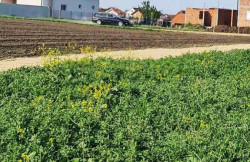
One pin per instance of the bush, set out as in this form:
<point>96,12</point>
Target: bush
<point>193,26</point>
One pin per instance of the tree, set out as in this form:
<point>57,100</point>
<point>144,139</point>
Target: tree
<point>150,13</point>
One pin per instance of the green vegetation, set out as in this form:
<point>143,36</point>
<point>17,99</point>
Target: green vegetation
<point>150,13</point>
<point>189,108</point>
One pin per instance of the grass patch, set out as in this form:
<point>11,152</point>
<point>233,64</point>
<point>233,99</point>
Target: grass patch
<point>189,108</point>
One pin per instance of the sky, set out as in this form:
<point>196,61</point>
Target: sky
<point>170,6</point>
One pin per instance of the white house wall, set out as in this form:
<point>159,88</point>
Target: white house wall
<point>29,2</point>
<point>73,5</point>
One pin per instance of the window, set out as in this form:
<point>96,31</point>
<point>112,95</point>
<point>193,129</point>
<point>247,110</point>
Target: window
<point>80,6</point>
<point>63,7</point>
<point>93,7</point>
<point>111,16</point>
<point>201,15</point>
<point>248,15</point>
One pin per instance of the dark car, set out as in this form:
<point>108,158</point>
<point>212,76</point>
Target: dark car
<point>111,19</point>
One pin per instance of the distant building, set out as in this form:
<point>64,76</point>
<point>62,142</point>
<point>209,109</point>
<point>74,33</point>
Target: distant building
<point>244,13</point>
<point>116,12</point>
<point>165,20</point>
<point>130,12</point>
<point>102,9</point>
<point>211,17</point>
<point>178,19</point>
<point>87,6</point>
<point>137,15</point>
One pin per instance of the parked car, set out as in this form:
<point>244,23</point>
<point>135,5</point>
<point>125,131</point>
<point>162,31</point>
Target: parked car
<point>111,19</point>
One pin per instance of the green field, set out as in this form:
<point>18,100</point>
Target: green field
<point>190,108</point>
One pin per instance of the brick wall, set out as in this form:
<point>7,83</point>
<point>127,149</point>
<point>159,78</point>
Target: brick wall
<point>179,18</point>
<point>213,17</point>
<point>244,6</point>
<point>195,16</point>
<point>227,17</point>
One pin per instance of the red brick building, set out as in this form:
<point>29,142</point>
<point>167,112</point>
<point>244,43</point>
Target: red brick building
<point>178,19</point>
<point>211,17</point>
<point>244,13</point>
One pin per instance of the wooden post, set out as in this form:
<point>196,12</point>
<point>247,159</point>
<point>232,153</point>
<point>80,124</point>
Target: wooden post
<point>232,18</point>
<point>59,16</point>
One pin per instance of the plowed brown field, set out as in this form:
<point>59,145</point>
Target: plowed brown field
<point>21,37</point>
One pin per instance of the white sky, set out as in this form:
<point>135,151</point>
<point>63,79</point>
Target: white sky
<point>170,6</point>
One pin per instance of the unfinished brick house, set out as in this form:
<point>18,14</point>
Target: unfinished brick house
<point>211,17</point>
<point>178,19</point>
<point>244,13</point>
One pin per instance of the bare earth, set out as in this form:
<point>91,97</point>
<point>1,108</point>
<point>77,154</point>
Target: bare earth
<point>135,54</point>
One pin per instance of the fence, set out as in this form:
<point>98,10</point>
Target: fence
<point>61,14</point>
<point>24,10</point>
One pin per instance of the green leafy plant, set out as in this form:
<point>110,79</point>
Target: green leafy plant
<point>190,108</point>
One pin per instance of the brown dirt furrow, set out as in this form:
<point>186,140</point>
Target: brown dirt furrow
<point>20,38</point>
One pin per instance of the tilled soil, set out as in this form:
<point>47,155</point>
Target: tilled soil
<point>22,37</point>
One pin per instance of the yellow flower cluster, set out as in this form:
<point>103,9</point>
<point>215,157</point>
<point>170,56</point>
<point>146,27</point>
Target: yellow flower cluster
<point>51,140</point>
<point>21,131</point>
<point>25,157</point>
<point>95,96</point>
<point>203,125</point>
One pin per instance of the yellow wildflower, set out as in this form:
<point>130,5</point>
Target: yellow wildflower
<point>63,110</point>
<point>177,76</point>
<point>19,160</point>
<point>51,140</point>
<point>23,155</point>
<point>97,94</point>
<point>84,110</point>
<point>90,109</point>
<point>39,98</point>
<point>203,125</point>
<point>50,101</point>
<point>84,103</point>
<point>19,130</point>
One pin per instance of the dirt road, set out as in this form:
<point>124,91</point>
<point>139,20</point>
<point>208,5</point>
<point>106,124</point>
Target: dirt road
<point>157,53</point>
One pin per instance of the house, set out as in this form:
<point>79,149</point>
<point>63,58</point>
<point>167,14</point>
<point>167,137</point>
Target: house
<point>137,15</point>
<point>116,12</point>
<point>102,9</point>
<point>87,6</point>
<point>68,9</point>
<point>179,19</point>
<point>211,17</point>
<point>129,13</point>
<point>24,2</point>
<point>165,20</point>
<point>243,13</point>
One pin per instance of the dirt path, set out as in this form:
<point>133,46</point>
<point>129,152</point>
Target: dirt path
<point>136,54</point>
